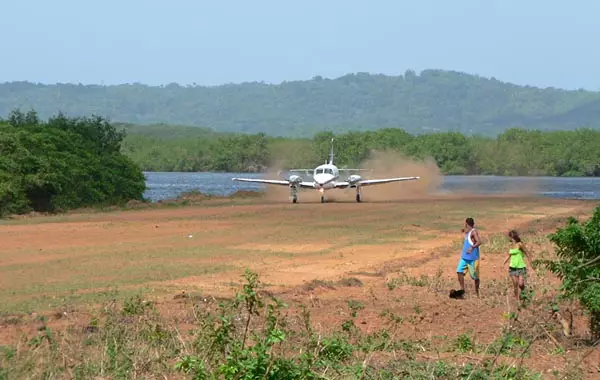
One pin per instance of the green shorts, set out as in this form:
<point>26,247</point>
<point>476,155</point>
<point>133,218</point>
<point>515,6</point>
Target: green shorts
<point>471,266</point>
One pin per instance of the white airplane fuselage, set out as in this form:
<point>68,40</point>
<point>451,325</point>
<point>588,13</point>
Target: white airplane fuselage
<point>324,176</point>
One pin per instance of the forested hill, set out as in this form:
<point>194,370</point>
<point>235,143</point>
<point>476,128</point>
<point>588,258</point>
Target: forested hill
<point>432,100</point>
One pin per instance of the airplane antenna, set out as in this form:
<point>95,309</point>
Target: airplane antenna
<point>331,154</point>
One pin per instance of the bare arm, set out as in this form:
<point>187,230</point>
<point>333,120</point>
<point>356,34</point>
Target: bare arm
<point>476,240</point>
<point>526,255</point>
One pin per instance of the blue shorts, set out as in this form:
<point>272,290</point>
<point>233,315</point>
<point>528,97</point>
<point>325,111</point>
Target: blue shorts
<point>471,265</point>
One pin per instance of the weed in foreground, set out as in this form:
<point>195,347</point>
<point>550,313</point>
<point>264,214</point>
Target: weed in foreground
<point>434,283</point>
<point>247,337</point>
<point>118,343</point>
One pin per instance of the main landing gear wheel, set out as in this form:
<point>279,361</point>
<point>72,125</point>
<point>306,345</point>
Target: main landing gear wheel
<point>358,198</point>
<point>294,194</point>
<point>322,199</point>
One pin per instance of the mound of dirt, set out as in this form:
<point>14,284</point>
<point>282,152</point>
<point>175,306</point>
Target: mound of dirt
<point>246,194</point>
<point>196,196</point>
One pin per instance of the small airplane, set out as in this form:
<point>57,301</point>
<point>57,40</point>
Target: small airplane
<point>325,177</point>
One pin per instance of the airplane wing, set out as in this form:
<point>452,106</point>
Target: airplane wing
<point>267,181</point>
<point>370,182</point>
<point>342,185</point>
<point>274,182</point>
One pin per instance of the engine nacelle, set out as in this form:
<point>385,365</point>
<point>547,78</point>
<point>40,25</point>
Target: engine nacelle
<point>295,179</point>
<point>354,179</point>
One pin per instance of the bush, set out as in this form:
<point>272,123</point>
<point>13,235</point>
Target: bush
<point>578,265</point>
<point>63,164</point>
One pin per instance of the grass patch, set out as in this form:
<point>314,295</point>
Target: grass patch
<point>433,282</point>
<point>78,280</point>
<point>345,282</point>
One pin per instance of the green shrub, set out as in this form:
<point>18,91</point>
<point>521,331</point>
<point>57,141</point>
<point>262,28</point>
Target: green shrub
<point>62,164</point>
<point>578,265</point>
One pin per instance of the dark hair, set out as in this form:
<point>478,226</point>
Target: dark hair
<point>514,235</point>
<point>470,222</point>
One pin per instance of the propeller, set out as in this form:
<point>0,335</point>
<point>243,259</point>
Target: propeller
<point>354,178</point>
<point>295,179</point>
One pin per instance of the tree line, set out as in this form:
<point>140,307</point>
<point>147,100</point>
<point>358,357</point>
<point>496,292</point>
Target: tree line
<point>515,152</point>
<point>63,163</point>
<point>432,100</point>
<point>71,162</point>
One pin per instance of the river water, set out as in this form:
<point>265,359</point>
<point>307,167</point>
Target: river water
<point>161,186</point>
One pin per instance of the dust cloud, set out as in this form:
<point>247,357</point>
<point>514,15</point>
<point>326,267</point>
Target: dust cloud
<point>387,164</point>
<point>382,164</point>
<point>390,164</point>
<point>274,193</point>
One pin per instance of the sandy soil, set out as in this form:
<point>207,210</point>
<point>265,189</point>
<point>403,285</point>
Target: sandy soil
<point>46,263</point>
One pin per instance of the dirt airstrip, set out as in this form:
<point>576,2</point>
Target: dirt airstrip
<point>301,253</point>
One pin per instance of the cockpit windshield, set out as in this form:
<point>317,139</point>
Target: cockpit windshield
<point>324,170</point>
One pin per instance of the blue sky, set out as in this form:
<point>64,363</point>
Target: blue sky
<point>535,42</point>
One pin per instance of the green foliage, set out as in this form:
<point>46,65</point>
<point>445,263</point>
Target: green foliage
<point>221,153</point>
<point>578,264</point>
<point>354,307</point>
<point>63,163</point>
<point>464,343</point>
<point>135,306</point>
<point>428,101</point>
<point>228,347</point>
<point>515,152</point>
<point>509,341</point>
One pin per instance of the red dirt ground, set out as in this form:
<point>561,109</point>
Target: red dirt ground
<point>205,249</point>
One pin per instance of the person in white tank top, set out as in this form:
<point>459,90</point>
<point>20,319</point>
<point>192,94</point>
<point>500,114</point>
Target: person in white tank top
<point>469,257</point>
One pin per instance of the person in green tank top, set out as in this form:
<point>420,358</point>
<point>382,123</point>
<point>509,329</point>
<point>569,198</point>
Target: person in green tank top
<point>517,268</point>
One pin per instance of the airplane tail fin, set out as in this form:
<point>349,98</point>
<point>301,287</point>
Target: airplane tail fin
<point>331,153</point>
